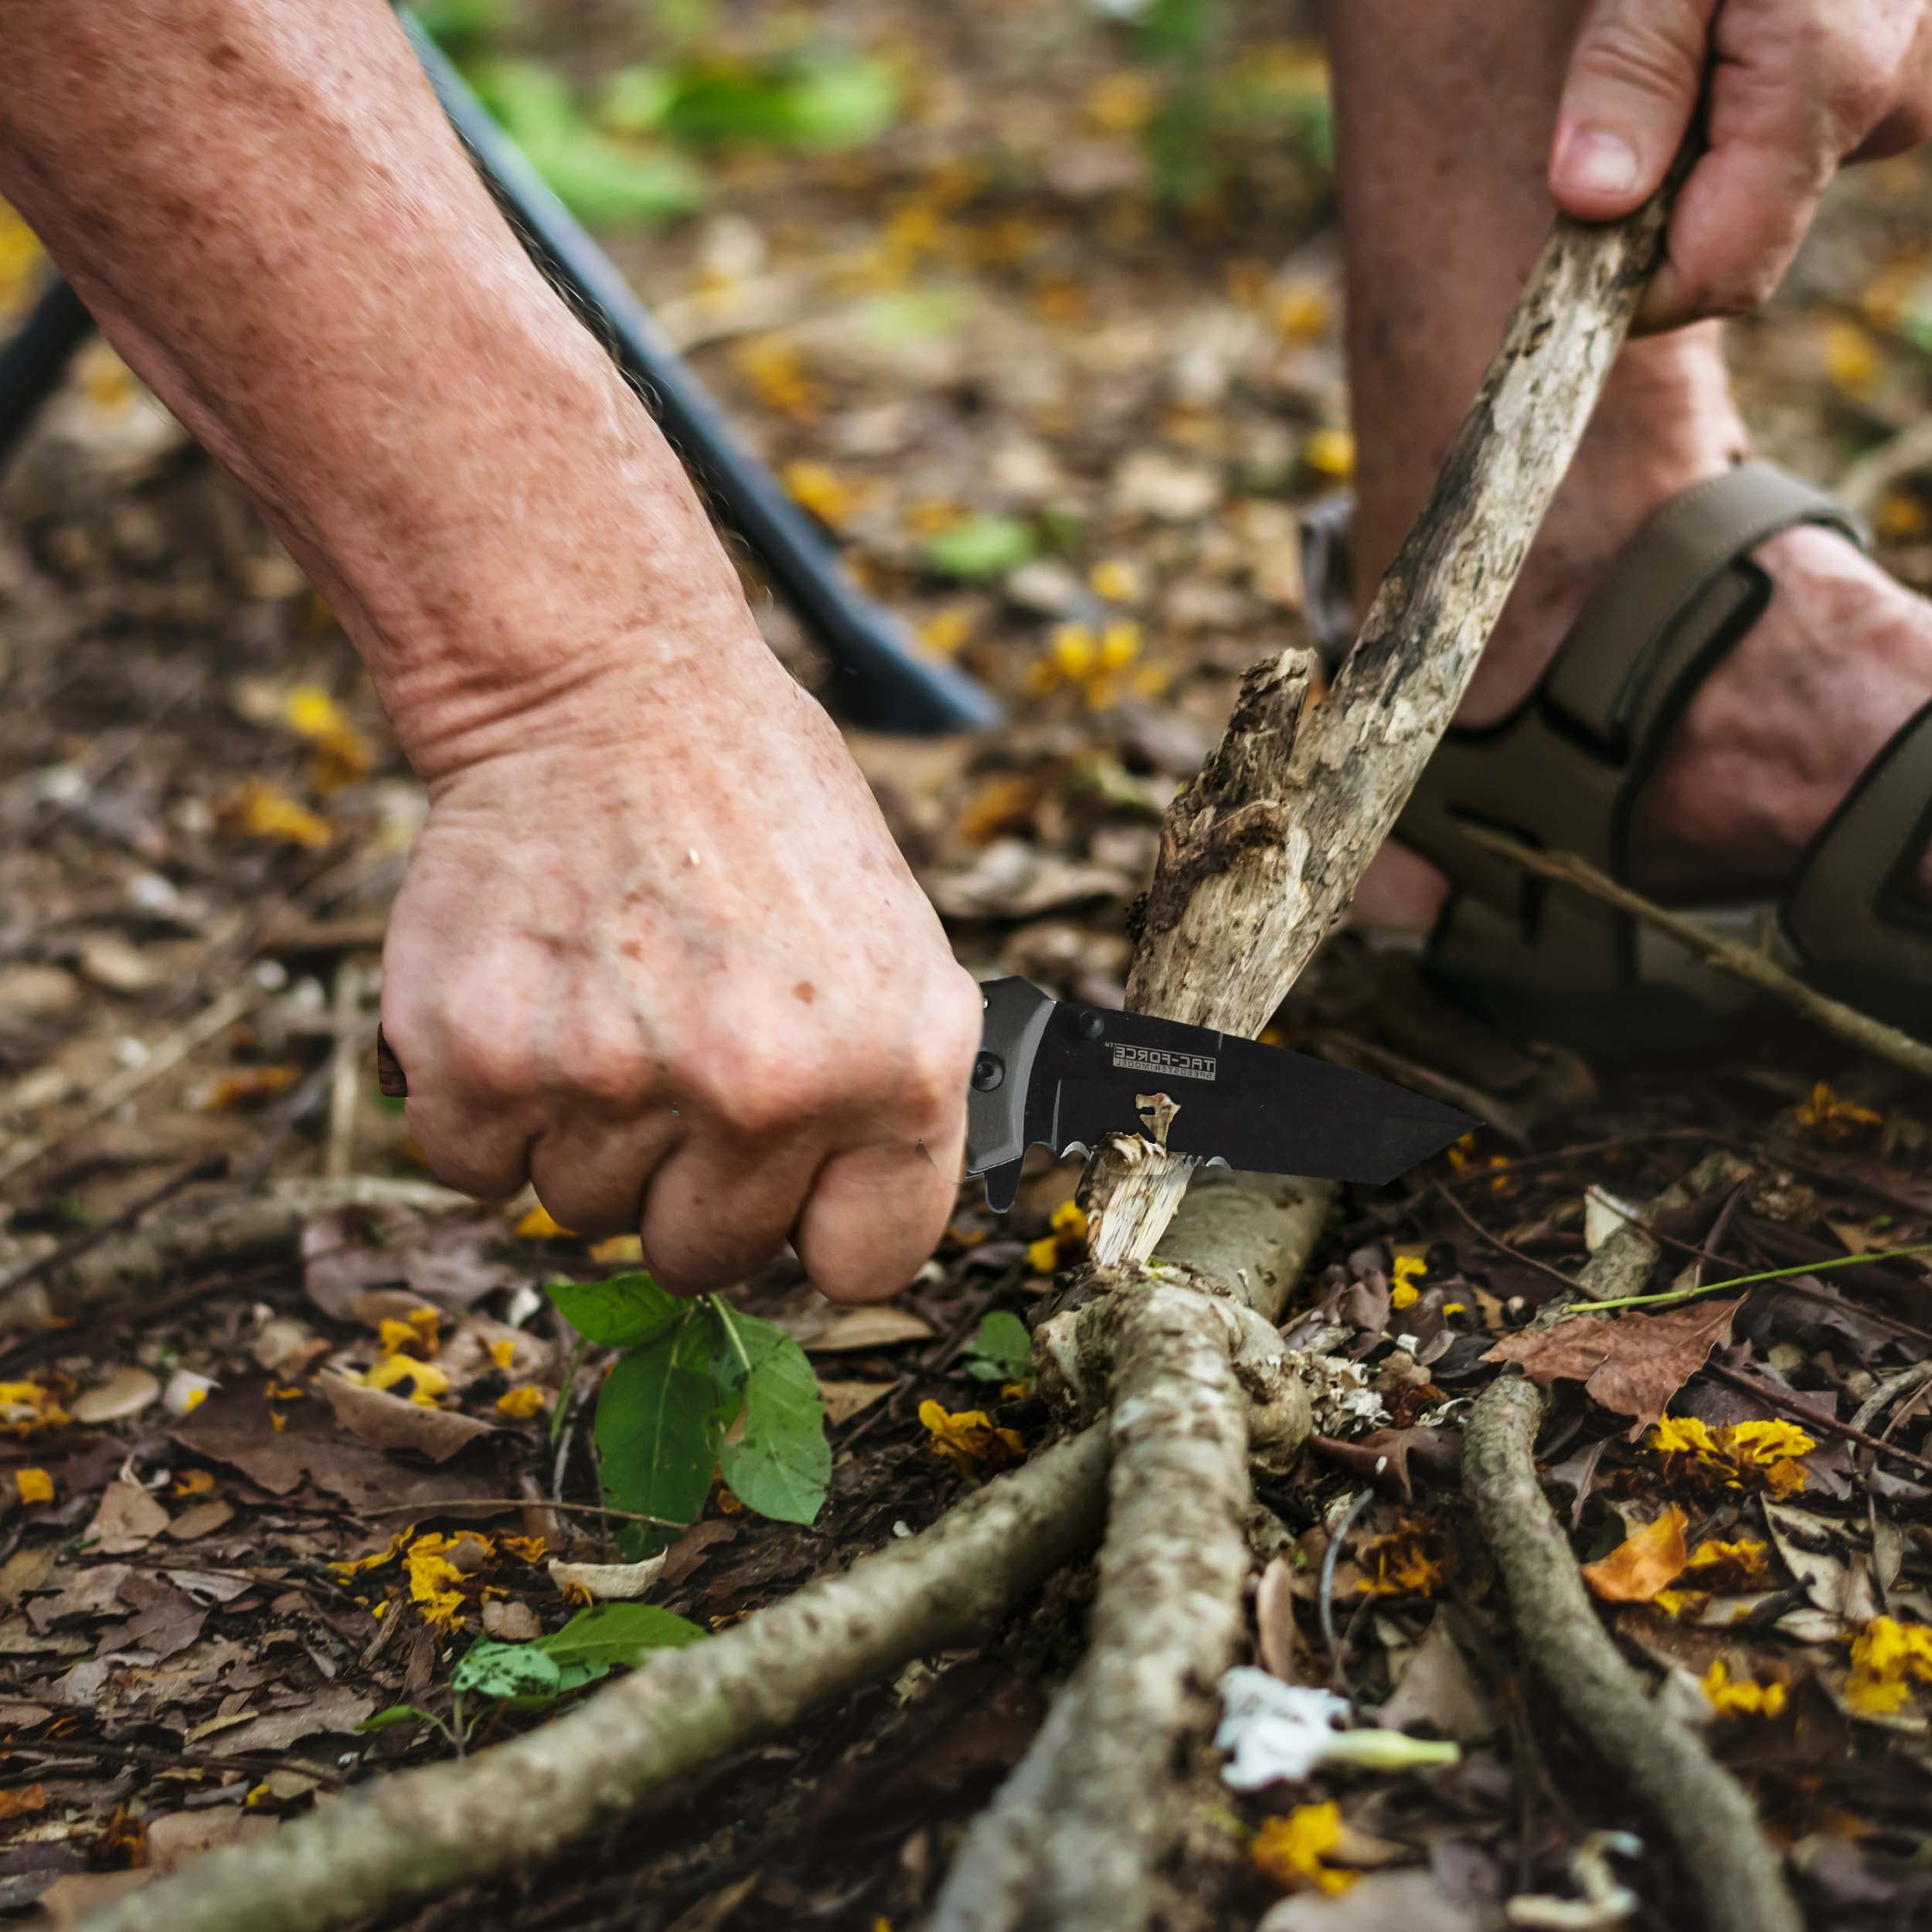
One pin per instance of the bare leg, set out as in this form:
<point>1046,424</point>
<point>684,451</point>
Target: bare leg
<point>1444,114</point>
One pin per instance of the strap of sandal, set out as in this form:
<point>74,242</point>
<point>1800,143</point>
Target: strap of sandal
<point>1563,770</point>
<point>1852,912</point>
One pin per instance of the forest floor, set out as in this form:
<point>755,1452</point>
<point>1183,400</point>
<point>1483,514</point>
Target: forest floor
<point>1055,360</point>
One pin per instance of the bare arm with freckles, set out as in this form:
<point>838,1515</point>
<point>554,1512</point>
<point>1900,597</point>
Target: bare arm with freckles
<point>656,950</point>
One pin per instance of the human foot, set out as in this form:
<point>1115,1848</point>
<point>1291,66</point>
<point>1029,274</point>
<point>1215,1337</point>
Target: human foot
<point>1768,744</point>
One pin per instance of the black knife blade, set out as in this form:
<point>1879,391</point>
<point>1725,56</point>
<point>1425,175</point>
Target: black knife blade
<point>1052,1074</point>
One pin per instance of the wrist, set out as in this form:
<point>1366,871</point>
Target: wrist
<point>554,573</point>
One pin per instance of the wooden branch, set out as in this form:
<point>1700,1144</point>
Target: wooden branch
<point>1741,962</point>
<point>215,1226</point>
<point>1261,855</point>
<point>1699,1806</point>
<point>1073,1840</point>
<point>422,1833</point>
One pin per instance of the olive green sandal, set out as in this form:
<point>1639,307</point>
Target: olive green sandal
<point>1564,770</point>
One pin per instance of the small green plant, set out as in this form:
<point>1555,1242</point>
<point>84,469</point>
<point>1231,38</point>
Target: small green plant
<point>1001,1351</point>
<point>532,1676</point>
<point>700,1386</point>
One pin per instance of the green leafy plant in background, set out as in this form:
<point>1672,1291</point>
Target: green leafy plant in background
<point>825,99</point>
<point>700,1386</point>
<point>613,161</point>
<point>978,547</point>
<point>598,179</point>
<point>1209,114</point>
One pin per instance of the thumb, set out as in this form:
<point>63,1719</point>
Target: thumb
<point>1632,87</point>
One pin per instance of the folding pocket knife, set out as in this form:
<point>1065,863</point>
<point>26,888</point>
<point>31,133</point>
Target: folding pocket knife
<point>1052,1074</point>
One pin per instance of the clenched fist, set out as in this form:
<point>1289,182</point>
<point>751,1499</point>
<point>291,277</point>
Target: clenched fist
<point>686,989</point>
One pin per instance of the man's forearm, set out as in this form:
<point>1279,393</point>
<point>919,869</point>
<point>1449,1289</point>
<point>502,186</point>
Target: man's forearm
<point>261,203</point>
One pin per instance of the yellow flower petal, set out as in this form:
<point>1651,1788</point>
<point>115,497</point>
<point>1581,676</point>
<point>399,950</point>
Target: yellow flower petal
<point>1291,1850</point>
<point>522,1402</point>
<point>34,1485</point>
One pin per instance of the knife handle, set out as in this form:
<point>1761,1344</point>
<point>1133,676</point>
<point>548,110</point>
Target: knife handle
<point>391,1081</point>
<point>1016,1014</point>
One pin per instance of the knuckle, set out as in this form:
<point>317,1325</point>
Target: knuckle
<point>757,1090</point>
<point>1644,49</point>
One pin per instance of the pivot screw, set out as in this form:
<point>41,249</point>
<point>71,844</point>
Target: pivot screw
<point>989,1070</point>
<point>1092,1024</point>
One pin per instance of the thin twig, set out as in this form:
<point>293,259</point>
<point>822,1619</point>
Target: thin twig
<point>1331,1557</point>
<point>528,1502</point>
<point>1741,962</point>
<point>1669,1297</point>
<point>1502,1246</point>
<point>211,1167</point>
<point>1816,1417</point>
<point>165,1054</point>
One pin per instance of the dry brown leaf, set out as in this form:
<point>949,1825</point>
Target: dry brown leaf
<point>1642,1565</point>
<point>201,1519</point>
<point>845,1400</point>
<point>853,1330</point>
<point>1438,1688</point>
<point>511,1621</point>
<point>392,1421</point>
<point>1632,1364</point>
<point>336,1710</point>
<point>1276,1634</point>
<point>129,1519</point>
<point>233,1426</point>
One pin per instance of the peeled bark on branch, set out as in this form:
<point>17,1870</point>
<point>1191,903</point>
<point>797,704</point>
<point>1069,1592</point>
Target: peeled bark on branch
<point>421,1833</point>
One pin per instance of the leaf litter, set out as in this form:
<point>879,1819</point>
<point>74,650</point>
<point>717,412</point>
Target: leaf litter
<point>1063,417</point>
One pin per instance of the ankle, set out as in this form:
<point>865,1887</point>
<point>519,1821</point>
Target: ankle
<point>1666,422</point>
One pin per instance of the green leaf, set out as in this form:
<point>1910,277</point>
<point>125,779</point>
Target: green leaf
<point>597,180</point>
<point>837,102</point>
<point>492,1669</point>
<point>608,1634</point>
<point>981,547</point>
<point>780,1463</point>
<point>829,101</point>
<point>654,1436</point>
<point>607,188</point>
<point>636,100</point>
<point>1002,1351</point>
<point>396,1714</point>
<point>625,1312</point>
<point>531,100</point>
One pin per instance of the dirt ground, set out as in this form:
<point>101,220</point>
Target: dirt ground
<point>1056,361</point>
